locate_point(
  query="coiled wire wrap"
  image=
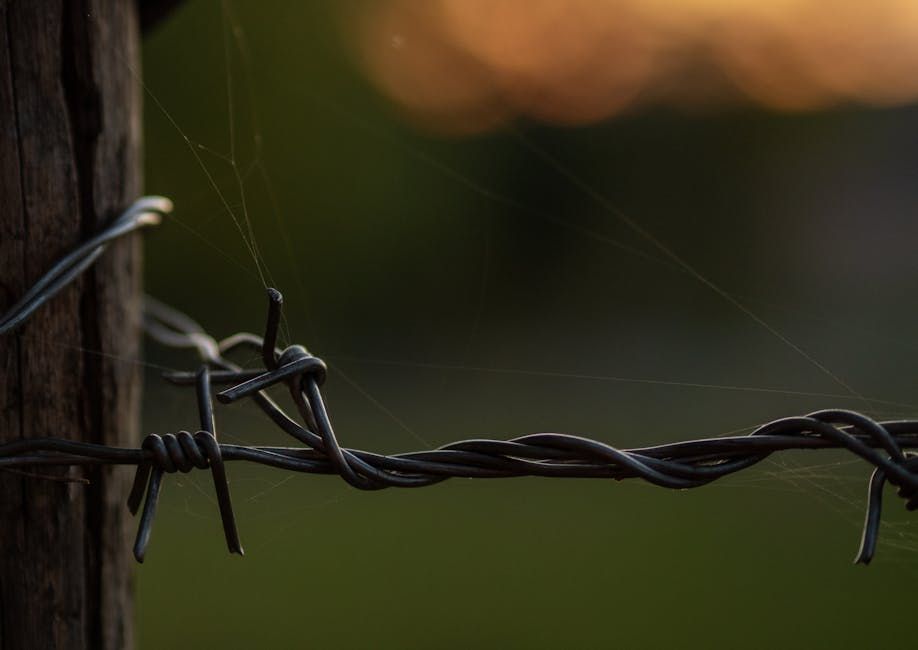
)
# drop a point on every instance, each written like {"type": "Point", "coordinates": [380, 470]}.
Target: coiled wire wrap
{"type": "Point", "coordinates": [679, 465]}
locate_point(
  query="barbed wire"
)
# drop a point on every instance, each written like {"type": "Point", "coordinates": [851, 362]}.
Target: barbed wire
{"type": "Point", "coordinates": [682, 465]}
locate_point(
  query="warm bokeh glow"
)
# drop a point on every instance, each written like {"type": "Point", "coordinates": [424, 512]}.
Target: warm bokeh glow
{"type": "Point", "coordinates": [468, 65]}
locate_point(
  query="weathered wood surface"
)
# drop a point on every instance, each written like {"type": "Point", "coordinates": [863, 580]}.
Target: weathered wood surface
{"type": "Point", "coordinates": [69, 161]}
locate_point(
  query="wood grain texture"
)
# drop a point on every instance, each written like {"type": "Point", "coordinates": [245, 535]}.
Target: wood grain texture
{"type": "Point", "coordinates": [70, 110]}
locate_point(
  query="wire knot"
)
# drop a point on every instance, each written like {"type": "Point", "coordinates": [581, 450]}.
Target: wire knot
{"type": "Point", "coordinates": [180, 452]}
{"type": "Point", "coordinates": [172, 453]}
{"type": "Point", "coordinates": [292, 367]}
{"type": "Point", "coordinates": [309, 365]}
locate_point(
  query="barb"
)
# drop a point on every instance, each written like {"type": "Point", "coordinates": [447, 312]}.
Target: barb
{"type": "Point", "coordinates": [887, 446]}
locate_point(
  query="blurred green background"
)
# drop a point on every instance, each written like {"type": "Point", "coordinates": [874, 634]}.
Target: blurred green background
{"type": "Point", "coordinates": [461, 287]}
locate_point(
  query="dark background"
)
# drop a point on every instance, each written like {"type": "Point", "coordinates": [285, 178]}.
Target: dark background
{"type": "Point", "coordinates": [460, 287]}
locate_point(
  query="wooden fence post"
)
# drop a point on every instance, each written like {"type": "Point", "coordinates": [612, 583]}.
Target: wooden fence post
{"type": "Point", "coordinates": [70, 160]}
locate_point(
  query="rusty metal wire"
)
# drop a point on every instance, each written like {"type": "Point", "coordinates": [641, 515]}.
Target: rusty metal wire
{"type": "Point", "coordinates": [679, 465]}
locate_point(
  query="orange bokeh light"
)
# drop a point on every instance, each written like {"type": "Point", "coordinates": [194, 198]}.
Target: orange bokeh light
{"type": "Point", "coordinates": [468, 65]}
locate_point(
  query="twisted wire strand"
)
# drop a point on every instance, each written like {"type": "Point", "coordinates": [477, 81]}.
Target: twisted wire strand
{"type": "Point", "coordinates": [887, 446]}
